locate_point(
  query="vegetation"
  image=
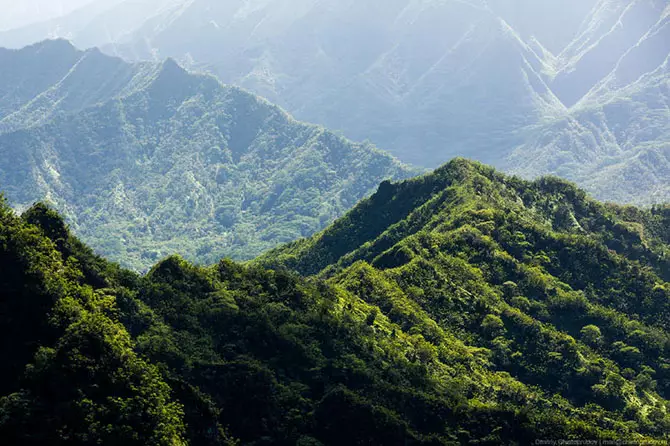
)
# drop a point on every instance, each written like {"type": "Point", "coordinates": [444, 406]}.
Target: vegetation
{"type": "Point", "coordinates": [70, 373]}
{"type": "Point", "coordinates": [459, 307]}
{"type": "Point", "coordinates": [567, 295]}
{"type": "Point", "coordinates": [147, 160]}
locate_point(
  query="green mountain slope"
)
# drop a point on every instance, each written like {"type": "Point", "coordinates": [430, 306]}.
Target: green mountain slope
{"type": "Point", "coordinates": [147, 160]}
{"type": "Point", "coordinates": [462, 307]}
{"type": "Point", "coordinates": [70, 373]}
{"type": "Point", "coordinates": [564, 293]}
{"type": "Point", "coordinates": [615, 142]}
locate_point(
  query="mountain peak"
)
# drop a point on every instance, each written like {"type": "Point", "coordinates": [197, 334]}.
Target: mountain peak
{"type": "Point", "coordinates": [461, 165]}
{"type": "Point", "coordinates": [413, 204]}
{"type": "Point", "coordinates": [171, 66]}
{"type": "Point", "coordinates": [50, 49]}
{"type": "Point", "coordinates": [391, 74]}
{"type": "Point", "coordinates": [170, 75]}
{"type": "Point", "coordinates": [57, 45]}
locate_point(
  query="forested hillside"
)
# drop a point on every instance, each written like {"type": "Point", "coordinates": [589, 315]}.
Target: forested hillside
{"type": "Point", "coordinates": [562, 292]}
{"type": "Point", "coordinates": [461, 307]}
{"type": "Point", "coordinates": [71, 373]}
{"type": "Point", "coordinates": [576, 88]}
{"type": "Point", "coordinates": [146, 160]}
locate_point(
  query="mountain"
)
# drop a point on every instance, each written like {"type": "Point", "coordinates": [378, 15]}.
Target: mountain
{"type": "Point", "coordinates": [620, 143]}
{"type": "Point", "coordinates": [71, 373]}
{"type": "Point", "coordinates": [460, 307]}
{"type": "Point", "coordinates": [372, 69]}
{"type": "Point", "coordinates": [563, 293]}
{"type": "Point", "coordinates": [94, 23]}
{"type": "Point", "coordinates": [148, 159]}
{"type": "Point", "coordinates": [576, 88]}
{"type": "Point", "coordinates": [616, 139]}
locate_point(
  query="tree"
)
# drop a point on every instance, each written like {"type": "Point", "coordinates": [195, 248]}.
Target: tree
{"type": "Point", "coordinates": [591, 335]}
{"type": "Point", "coordinates": [493, 326]}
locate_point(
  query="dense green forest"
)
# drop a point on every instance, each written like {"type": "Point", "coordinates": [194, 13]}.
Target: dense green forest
{"type": "Point", "coordinates": [460, 307]}
{"type": "Point", "coordinates": [147, 160]}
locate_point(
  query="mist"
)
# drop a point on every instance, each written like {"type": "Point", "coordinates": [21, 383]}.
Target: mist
{"type": "Point", "coordinates": [552, 22]}
{"type": "Point", "coordinates": [16, 14]}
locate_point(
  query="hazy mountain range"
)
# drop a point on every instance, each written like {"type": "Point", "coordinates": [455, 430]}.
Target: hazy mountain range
{"type": "Point", "coordinates": [148, 159]}
{"type": "Point", "coordinates": [577, 88]}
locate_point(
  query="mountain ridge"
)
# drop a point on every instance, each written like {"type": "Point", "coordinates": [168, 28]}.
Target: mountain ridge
{"type": "Point", "coordinates": [154, 138]}
{"type": "Point", "coordinates": [476, 307]}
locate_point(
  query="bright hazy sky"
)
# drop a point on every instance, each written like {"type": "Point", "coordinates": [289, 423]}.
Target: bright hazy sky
{"type": "Point", "coordinates": [18, 13]}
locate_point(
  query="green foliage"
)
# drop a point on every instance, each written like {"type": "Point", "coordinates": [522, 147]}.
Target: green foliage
{"type": "Point", "coordinates": [71, 375]}
{"type": "Point", "coordinates": [565, 294]}
{"type": "Point", "coordinates": [488, 311]}
{"type": "Point", "coordinates": [493, 326]}
{"type": "Point", "coordinates": [147, 160]}
{"type": "Point", "coordinates": [591, 335]}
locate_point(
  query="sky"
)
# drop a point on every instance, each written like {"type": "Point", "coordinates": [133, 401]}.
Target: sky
{"type": "Point", "coordinates": [18, 13]}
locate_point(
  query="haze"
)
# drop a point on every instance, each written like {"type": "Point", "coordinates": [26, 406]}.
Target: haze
{"type": "Point", "coordinates": [18, 13]}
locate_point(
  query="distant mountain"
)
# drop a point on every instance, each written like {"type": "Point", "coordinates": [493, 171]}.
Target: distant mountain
{"type": "Point", "coordinates": [460, 307]}
{"type": "Point", "coordinates": [96, 23]}
{"type": "Point", "coordinates": [615, 138]}
{"type": "Point", "coordinates": [615, 143]}
{"type": "Point", "coordinates": [149, 159]}
{"type": "Point", "coordinates": [529, 86]}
